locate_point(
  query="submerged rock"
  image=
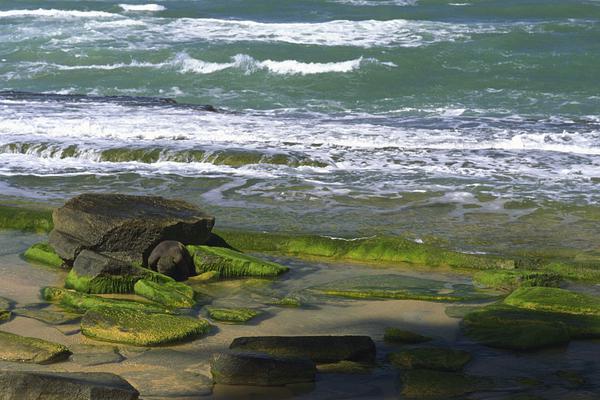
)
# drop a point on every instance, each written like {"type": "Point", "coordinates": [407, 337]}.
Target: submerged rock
{"type": "Point", "coordinates": [46, 314]}
{"type": "Point", "coordinates": [27, 349]}
{"type": "Point", "coordinates": [554, 300]}
{"type": "Point", "coordinates": [512, 279]}
{"type": "Point", "coordinates": [260, 369]}
{"type": "Point", "coordinates": [395, 335]}
{"type": "Point", "coordinates": [43, 253]}
{"type": "Point", "coordinates": [171, 258]}
{"type": "Point", "coordinates": [17, 385]}
{"type": "Point", "coordinates": [5, 306]}
{"type": "Point", "coordinates": [320, 349]}
{"type": "Point", "coordinates": [170, 294]}
{"type": "Point", "coordinates": [236, 315]}
{"type": "Point", "coordinates": [435, 358]}
{"type": "Point", "coordinates": [126, 227]}
{"type": "Point", "coordinates": [428, 384]}
{"type": "Point", "coordinates": [140, 328]}
{"type": "Point", "coordinates": [232, 264]}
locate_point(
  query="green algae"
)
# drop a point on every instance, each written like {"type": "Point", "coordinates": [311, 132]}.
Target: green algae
{"type": "Point", "coordinates": [26, 218]}
{"type": "Point", "coordinates": [399, 287]}
{"type": "Point", "coordinates": [81, 302]}
{"type": "Point", "coordinates": [435, 358]}
{"type": "Point", "coordinates": [374, 249]}
{"type": "Point", "coordinates": [554, 300]}
{"type": "Point", "coordinates": [235, 315]}
{"type": "Point", "coordinates": [18, 348]}
{"type": "Point", "coordinates": [42, 313]}
{"type": "Point", "coordinates": [5, 306]}
{"type": "Point", "coordinates": [287, 301]}
{"type": "Point", "coordinates": [512, 279]}
{"type": "Point", "coordinates": [170, 294]}
{"type": "Point", "coordinates": [43, 253]}
{"type": "Point", "coordinates": [232, 264]}
{"type": "Point", "coordinates": [396, 335]}
{"type": "Point", "coordinates": [429, 384]}
{"type": "Point", "coordinates": [345, 367]}
{"type": "Point", "coordinates": [138, 328]}
{"type": "Point", "coordinates": [147, 156]}
{"type": "Point", "coordinates": [105, 284]}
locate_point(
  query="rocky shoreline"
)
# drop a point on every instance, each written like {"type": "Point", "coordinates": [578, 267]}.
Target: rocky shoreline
{"type": "Point", "coordinates": [145, 272]}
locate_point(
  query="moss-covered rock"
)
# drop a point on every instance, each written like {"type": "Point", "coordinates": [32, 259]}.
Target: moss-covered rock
{"type": "Point", "coordinates": [396, 335]}
{"type": "Point", "coordinates": [171, 294]}
{"type": "Point", "coordinates": [43, 253]}
{"type": "Point", "coordinates": [232, 264]}
{"type": "Point", "coordinates": [429, 384]}
{"type": "Point", "coordinates": [26, 349]}
{"type": "Point", "coordinates": [236, 315]}
{"type": "Point", "coordinates": [5, 306]}
{"type": "Point", "coordinates": [381, 249]}
{"type": "Point", "coordinates": [435, 358]}
{"type": "Point", "coordinates": [399, 287]}
{"type": "Point", "coordinates": [345, 367]}
{"type": "Point", "coordinates": [81, 302]}
{"type": "Point", "coordinates": [554, 300]}
{"type": "Point", "coordinates": [140, 328]}
{"type": "Point", "coordinates": [512, 279]}
{"type": "Point", "coordinates": [287, 301]}
{"type": "Point", "coordinates": [29, 219]}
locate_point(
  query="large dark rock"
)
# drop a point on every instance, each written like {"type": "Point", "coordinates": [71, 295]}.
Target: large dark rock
{"type": "Point", "coordinates": [260, 369]}
{"type": "Point", "coordinates": [125, 227]}
{"type": "Point", "coordinates": [320, 349]}
{"type": "Point", "coordinates": [171, 258]}
{"type": "Point", "coordinates": [92, 265]}
{"type": "Point", "coordinates": [16, 385]}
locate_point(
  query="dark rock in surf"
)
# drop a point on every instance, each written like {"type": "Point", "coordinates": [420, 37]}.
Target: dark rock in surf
{"type": "Point", "coordinates": [171, 258]}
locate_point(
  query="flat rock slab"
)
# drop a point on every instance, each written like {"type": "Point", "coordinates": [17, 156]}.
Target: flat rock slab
{"type": "Point", "coordinates": [49, 315]}
{"type": "Point", "coordinates": [260, 369]}
{"type": "Point", "coordinates": [435, 358]}
{"type": "Point", "coordinates": [26, 349]}
{"type": "Point", "coordinates": [16, 385]}
{"type": "Point", "coordinates": [320, 349]}
{"type": "Point", "coordinates": [126, 227]}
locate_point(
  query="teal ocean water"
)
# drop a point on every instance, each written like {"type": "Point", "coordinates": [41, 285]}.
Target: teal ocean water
{"type": "Point", "coordinates": [333, 115]}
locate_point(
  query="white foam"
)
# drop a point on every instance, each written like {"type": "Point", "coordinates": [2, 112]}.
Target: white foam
{"type": "Point", "coordinates": [53, 13]}
{"type": "Point", "coordinates": [374, 3]}
{"type": "Point", "coordinates": [142, 7]}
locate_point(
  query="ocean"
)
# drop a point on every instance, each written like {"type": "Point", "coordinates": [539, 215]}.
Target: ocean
{"type": "Point", "coordinates": [472, 121]}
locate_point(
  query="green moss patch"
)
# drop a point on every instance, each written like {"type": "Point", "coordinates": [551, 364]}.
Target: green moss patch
{"type": "Point", "coordinates": [236, 315]}
{"type": "Point", "coordinates": [554, 300]}
{"type": "Point", "coordinates": [435, 358]}
{"type": "Point", "coordinates": [428, 384]}
{"type": "Point", "coordinates": [232, 264]}
{"type": "Point", "coordinates": [512, 279]}
{"type": "Point", "coordinates": [399, 287]}
{"type": "Point", "coordinates": [396, 335]}
{"type": "Point", "coordinates": [138, 328]}
{"type": "Point", "coordinates": [43, 253]}
{"type": "Point", "coordinates": [376, 249]}
{"type": "Point", "coordinates": [106, 284]}
{"type": "Point", "coordinates": [29, 219]}
{"type": "Point", "coordinates": [5, 306]}
{"type": "Point", "coordinates": [81, 302]}
{"type": "Point", "coordinates": [26, 349]}
{"type": "Point", "coordinates": [345, 367]}
{"type": "Point", "coordinates": [171, 294]}
{"type": "Point", "coordinates": [287, 301]}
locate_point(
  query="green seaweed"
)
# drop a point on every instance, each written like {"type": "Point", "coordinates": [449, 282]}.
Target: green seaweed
{"type": "Point", "coordinates": [396, 335]}
{"type": "Point", "coordinates": [43, 253]}
{"type": "Point", "coordinates": [171, 294]}
{"type": "Point", "coordinates": [435, 358]}
{"type": "Point", "coordinates": [554, 300]}
{"type": "Point", "coordinates": [138, 328]}
{"type": "Point", "coordinates": [287, 301]}
{"type": "Point", "coordinates": [512, 279]}
{"type": "Point", "coordinates": [28, 219]}
{"type": "Point", "coordinates": [236, 315]}
{"type": "Point", "coordinates": [232, 264]}
{"type": "Point", "coordinates": [105, 284]}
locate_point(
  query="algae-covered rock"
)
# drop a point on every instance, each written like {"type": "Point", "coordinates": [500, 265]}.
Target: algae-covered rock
{"type": "Point", "coordinates": [320, 349]}
{"type": "Point", "coordinates": [171, 258]}
{"type": "Point", "coordinates": [34, 385]}
{"type": "Point", "coordinates": [232, 264]}
{"type": "Point", "coordinates": [429, 384]}
{"type": "Point", "coordinates": [26, 218]}
{"type": "Point", "coordinates": [512, 279]}
{"type": "Point", "coordinates": [43, 253]}
{"type": "Point", "coordinates": [287, 301]}
{"type": "Point", "coordinates": [396, 335]}
{"type": "Point", "coordinates": [238, 315]}
{"type": "Point", "coordinates": [170, 294]}
{"type": "Point", "coordinates": [128, 227]}
{"type": "Point", "coordinates": [5, 306]}
{"type": "Point", "coordinates": [554, 300]}
{"type": "Point", "coordinates": [435, 358]}
{"type": "Point", "coordinates": [27, 349]}
{"type": "Point", "coordinates": [346, 367]}
{"type": "Point", "coordinates": [260, 369]}
{"type": "Point", "coordinates": [399, 287]}
{"type": "Point", "coordinates": [46, 314]}
{"type": "Point", "coordinates": [139, 328]}
{"type": "Point", "coordinates": [81, 302]}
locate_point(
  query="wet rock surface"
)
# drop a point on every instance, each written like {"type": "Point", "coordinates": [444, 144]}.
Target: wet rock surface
{"type": "Point", "coordinates": [31, 350]}
{"type": "Point", "coordinates": [171, 258]}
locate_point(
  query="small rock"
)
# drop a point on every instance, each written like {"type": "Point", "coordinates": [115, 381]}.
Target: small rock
{"type": "Point", "coordinates": [26, 349]}
{"type": "Point", "coordinates": [171, 258]}
{"type": "Point", "coordinates": [260, 369]}
{"type": "Point", "coordinates": [395, 335]}
{"type": "Point", "coordinates": [431, 358]}
{"type": "Point", "coordinates": [428, 384]}
{"type": "Point", "coordinates": [16, 385]}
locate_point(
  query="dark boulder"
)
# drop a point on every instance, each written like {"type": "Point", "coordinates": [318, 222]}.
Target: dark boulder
{"type": "Point", "coordinates": [320, 349]}
{"type": "Point", "coordinates": [125, 227]}
{"type": "Point", "coordinates": [16, 385]}
{"type": "Point", "coordinates": [260, 369]}
{"type": "Point", "coordinates": [171, 258]}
